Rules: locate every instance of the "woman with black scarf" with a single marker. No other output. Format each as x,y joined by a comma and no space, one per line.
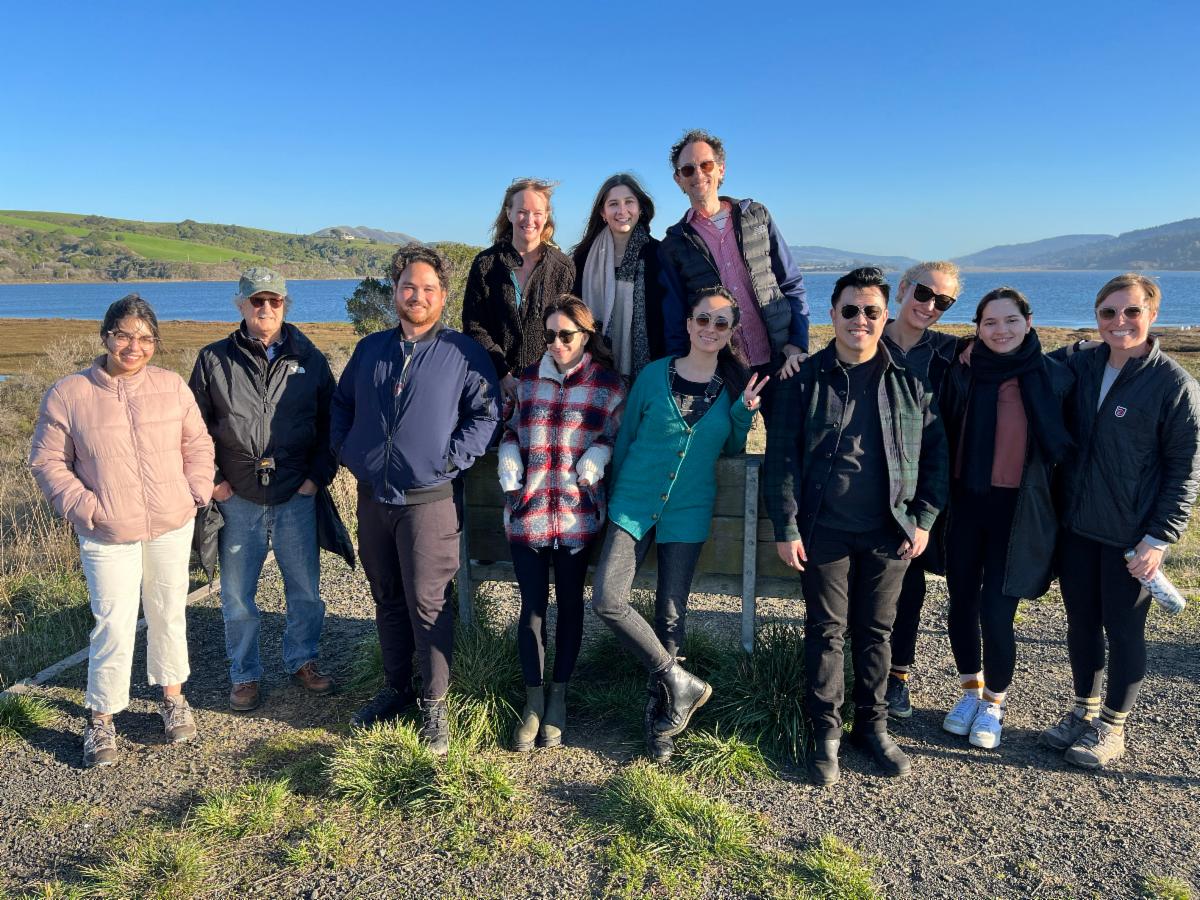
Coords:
1003,412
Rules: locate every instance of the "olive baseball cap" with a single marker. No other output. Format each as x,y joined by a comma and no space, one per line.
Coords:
259,279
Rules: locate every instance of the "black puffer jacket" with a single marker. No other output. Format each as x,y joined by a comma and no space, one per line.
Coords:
1029,560
1137,469
512,335
256,409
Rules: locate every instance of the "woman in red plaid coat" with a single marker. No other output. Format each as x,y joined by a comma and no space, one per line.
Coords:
557,440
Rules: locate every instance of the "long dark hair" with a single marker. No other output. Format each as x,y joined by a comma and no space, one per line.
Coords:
731,364
595,223
1003,293
577,311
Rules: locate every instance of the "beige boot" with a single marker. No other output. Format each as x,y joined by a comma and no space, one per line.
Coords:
525,734
555,720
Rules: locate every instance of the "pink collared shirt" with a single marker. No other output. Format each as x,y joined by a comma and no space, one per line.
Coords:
751,335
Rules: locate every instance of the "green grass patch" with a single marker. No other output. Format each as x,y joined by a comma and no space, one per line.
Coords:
66,814
22,714
1166,887
299,757
324,845
175,250
833,871
43,618
254,808
709,757
40,225
152,864
49,890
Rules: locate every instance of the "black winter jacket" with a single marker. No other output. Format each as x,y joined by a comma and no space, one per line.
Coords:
1029,560
1137,469
256,409
512,336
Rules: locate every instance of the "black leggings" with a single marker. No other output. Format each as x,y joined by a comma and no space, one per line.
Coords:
908,616
1103,599
532,568
980,611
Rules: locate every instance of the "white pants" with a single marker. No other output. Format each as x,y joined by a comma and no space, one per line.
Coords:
116,575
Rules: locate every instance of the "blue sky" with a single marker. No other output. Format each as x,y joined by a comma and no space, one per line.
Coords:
930,129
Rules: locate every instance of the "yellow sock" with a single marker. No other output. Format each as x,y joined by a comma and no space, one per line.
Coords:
1087,708
1114,718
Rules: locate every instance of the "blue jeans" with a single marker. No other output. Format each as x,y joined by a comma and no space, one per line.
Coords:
291,530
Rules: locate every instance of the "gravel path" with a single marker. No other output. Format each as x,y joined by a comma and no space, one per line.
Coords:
1014,822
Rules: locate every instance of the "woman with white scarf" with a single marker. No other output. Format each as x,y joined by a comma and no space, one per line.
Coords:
616,266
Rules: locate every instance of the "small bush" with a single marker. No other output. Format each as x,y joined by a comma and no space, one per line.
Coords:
724,760
21,714
163,865
254,808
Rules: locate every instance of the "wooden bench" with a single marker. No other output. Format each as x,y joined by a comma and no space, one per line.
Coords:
739,557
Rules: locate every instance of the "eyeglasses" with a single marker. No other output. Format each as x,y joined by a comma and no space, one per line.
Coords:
1108,313
720,323
922,293
689,170
850,311
564,335
122,339
259,299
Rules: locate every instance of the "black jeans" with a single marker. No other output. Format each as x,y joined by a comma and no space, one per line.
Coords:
1103,599
409,555
908,616
851,582
532,568
620,558
976,557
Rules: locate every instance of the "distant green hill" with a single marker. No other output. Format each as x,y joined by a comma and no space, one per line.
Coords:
45,246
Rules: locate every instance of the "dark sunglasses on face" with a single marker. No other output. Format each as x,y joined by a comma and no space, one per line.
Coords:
1108,313
565,336
850,311
258,300
923,294
719,323
689,170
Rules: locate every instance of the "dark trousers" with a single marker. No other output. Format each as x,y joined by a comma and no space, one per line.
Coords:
620,558
410,554
1103,599
980,611
851,582
908,617
532,568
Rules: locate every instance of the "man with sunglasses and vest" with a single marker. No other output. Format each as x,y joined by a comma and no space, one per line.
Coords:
926,291
734,243
264,392
854,477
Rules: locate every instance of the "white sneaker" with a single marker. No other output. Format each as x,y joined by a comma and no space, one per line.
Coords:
959,719
988,723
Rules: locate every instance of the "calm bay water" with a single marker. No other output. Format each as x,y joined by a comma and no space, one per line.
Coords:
1058,298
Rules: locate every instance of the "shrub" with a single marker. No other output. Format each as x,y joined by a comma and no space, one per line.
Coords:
21,714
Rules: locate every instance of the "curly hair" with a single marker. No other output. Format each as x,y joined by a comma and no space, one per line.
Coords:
415,252
697,136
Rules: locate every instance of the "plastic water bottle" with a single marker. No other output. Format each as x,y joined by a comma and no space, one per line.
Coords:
1164,593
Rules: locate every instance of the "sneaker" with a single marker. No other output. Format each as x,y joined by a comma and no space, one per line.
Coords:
99,743
387,704
313,680
436,730
898,703
959,719
1098,746
178,722
987,725
244,696
1069,729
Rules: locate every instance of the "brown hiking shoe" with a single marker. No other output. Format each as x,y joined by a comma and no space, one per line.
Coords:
244,696
312,680
178,722
99,743
1098,746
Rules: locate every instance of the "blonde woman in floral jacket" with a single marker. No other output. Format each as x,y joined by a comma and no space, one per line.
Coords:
557,441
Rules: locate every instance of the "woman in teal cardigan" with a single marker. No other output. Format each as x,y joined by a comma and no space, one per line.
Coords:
681,414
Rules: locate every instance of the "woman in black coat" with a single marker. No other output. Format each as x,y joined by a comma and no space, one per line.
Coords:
616,273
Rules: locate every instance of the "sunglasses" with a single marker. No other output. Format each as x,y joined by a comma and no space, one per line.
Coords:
719,323
259,300
689,170
1108,313
923,294
565,336
850,311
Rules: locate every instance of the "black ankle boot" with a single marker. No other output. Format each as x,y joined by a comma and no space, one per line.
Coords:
683,694
823,766
891,760
658,747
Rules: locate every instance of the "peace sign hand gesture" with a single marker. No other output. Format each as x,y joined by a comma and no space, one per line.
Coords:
754,387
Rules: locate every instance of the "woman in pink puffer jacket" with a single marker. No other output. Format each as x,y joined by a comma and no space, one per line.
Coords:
121,451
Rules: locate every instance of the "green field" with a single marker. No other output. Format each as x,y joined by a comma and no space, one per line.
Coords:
41,225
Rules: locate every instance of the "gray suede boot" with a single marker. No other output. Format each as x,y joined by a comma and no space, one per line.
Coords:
554,722
525,734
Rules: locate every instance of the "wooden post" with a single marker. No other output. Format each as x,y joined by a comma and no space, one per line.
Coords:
466,590
750,554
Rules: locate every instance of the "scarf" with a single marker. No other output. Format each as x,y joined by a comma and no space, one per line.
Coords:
615,292
988,371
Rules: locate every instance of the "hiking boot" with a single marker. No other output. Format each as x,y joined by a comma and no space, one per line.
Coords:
244,696
436,730
178,722
1069,729
555,720
987,725
658,747
387,704
683,694
524,736
899,705
99,743
959,719
823,764
1098,746
891,760
312,679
